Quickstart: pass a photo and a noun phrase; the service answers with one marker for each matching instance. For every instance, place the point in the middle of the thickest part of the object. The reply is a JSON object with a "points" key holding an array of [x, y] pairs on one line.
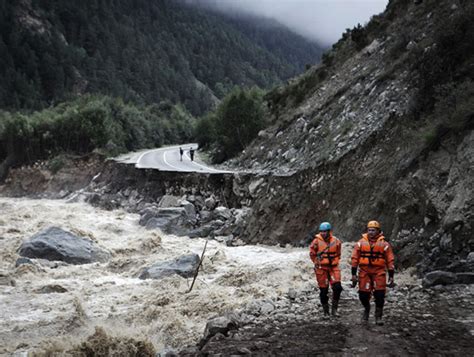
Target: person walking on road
{"points": [[373, 256], [325, 253], [181, 152], [191, 153]]}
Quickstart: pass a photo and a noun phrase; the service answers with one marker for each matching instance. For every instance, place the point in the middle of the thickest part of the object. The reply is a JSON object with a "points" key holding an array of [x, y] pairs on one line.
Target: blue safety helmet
{"points": [[325, 226]]}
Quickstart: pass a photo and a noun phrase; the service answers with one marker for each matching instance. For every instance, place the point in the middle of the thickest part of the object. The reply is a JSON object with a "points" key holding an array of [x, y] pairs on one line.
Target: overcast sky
{"points": [[323, 20]]}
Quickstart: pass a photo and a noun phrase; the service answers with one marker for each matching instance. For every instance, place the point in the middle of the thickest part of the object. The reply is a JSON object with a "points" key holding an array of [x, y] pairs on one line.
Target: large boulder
{"points": [[171, 220], [206, 230], [439, 277], [219, 325], [169, 201], [54, 243], [222, 213], [184, 266], [210, 203], [205, 216], [203, 231], [255, 185], [190, 210]]}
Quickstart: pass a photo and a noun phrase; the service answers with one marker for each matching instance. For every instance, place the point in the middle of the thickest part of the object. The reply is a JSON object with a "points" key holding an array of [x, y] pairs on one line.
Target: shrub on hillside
{"points": [[299, 90], [57, 163], [448, 60], [359, 37], [454, 112], [205, 132]]}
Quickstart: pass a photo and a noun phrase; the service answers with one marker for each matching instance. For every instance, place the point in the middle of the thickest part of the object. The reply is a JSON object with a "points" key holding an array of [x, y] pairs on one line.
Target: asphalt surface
{"points": [[168, 159]]}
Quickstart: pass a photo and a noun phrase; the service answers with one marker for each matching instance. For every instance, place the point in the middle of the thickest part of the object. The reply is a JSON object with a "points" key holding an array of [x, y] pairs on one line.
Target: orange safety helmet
{"points": [[373, 224]]}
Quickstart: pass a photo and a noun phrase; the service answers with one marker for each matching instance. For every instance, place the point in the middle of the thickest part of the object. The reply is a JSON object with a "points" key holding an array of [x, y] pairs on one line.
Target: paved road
{"points": [[168, 159]]}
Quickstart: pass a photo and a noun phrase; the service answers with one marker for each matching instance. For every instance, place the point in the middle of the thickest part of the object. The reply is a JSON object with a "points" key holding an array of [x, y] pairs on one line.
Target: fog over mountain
{"points": [[321, 20]]}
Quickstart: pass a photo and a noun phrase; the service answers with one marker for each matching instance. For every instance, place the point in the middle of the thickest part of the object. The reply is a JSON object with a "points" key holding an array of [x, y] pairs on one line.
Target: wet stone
{"points": [[267, 307], [55, 243], [218, 328], [169, 201], [438, 277], [222, 213], [184, 266], [23, 261], [210, 203], [291, 294], [48, 289]]}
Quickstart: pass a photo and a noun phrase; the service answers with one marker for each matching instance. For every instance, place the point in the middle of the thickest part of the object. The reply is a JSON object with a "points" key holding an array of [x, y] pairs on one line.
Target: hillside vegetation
{"points": [[145, 51], [86, 124], [233, 125]]}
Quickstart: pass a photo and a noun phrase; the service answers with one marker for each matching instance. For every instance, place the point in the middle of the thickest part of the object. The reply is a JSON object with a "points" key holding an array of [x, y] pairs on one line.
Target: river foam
{"points": [[111, 296]]}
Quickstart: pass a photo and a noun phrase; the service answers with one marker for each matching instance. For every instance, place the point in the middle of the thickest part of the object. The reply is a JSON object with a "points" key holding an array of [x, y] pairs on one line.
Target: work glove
{"points": [[354, 281], [391, 283]]}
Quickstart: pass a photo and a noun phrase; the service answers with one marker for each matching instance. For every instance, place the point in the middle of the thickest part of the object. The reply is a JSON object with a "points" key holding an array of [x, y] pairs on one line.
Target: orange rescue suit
{"points": [[326, 255], [373, 257]]}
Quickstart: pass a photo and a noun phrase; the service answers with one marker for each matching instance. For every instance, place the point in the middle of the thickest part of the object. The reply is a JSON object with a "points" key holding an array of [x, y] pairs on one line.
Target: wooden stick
{"points": [[223, 196], [197, 269]]}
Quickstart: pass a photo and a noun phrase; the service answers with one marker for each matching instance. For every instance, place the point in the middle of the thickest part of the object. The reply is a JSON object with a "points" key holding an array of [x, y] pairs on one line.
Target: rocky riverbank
{"points": [[266, 293], [418, 322]]}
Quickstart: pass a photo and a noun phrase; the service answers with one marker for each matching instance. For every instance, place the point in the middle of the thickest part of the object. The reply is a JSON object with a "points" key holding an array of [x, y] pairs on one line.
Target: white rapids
{"points": [[111, 296]]}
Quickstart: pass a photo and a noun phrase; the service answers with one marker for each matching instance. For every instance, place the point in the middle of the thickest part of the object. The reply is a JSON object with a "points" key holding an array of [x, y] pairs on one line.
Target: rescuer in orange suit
{"points": [[373, 255], [325, 252]]}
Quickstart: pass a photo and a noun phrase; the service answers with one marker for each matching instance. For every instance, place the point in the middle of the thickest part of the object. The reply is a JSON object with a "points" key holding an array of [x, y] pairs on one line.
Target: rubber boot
{"points": [[365, 314], [326, 309], [378, 316], [334, 307]]}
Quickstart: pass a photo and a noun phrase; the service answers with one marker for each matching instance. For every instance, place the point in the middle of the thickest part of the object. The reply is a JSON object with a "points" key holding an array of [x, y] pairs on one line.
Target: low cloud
{"points": [[321, 20]]}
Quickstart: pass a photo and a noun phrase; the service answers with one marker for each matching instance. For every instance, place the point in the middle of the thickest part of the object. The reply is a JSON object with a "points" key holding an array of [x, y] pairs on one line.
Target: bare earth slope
{"points": [[382, 129]]}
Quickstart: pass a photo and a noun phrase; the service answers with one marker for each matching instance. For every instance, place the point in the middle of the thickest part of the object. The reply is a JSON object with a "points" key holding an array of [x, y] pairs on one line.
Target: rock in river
{"points": [[54, 243], [184, 266]]}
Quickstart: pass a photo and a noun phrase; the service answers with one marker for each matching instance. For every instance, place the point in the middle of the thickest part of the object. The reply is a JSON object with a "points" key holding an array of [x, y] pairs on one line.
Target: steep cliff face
{"points": [[381, 130], [360, 91]]}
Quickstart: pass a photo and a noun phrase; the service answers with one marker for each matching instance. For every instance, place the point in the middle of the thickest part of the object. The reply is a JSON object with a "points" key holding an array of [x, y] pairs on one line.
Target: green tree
{"points": [[238, 120], [205, 132]]}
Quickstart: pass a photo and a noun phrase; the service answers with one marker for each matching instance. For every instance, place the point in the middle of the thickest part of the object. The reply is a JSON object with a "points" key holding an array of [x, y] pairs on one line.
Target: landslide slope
{"points": [[382, 129]]}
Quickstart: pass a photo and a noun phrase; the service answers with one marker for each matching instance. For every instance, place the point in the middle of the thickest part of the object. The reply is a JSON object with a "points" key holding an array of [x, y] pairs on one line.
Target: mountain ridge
{"points": [[145, 52]]}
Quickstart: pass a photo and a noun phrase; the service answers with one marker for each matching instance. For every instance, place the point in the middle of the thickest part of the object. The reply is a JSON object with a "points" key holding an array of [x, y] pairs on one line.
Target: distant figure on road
{"points": [[191, 153], [181, 152]]}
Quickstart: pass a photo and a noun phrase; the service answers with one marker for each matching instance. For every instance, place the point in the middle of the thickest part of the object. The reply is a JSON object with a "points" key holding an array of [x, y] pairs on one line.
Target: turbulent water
{"points": [[52, 307], [37, 316]]}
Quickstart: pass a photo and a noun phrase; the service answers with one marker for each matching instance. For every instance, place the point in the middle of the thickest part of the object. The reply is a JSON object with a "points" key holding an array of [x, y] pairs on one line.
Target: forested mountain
{"points": [[147, 51]]}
